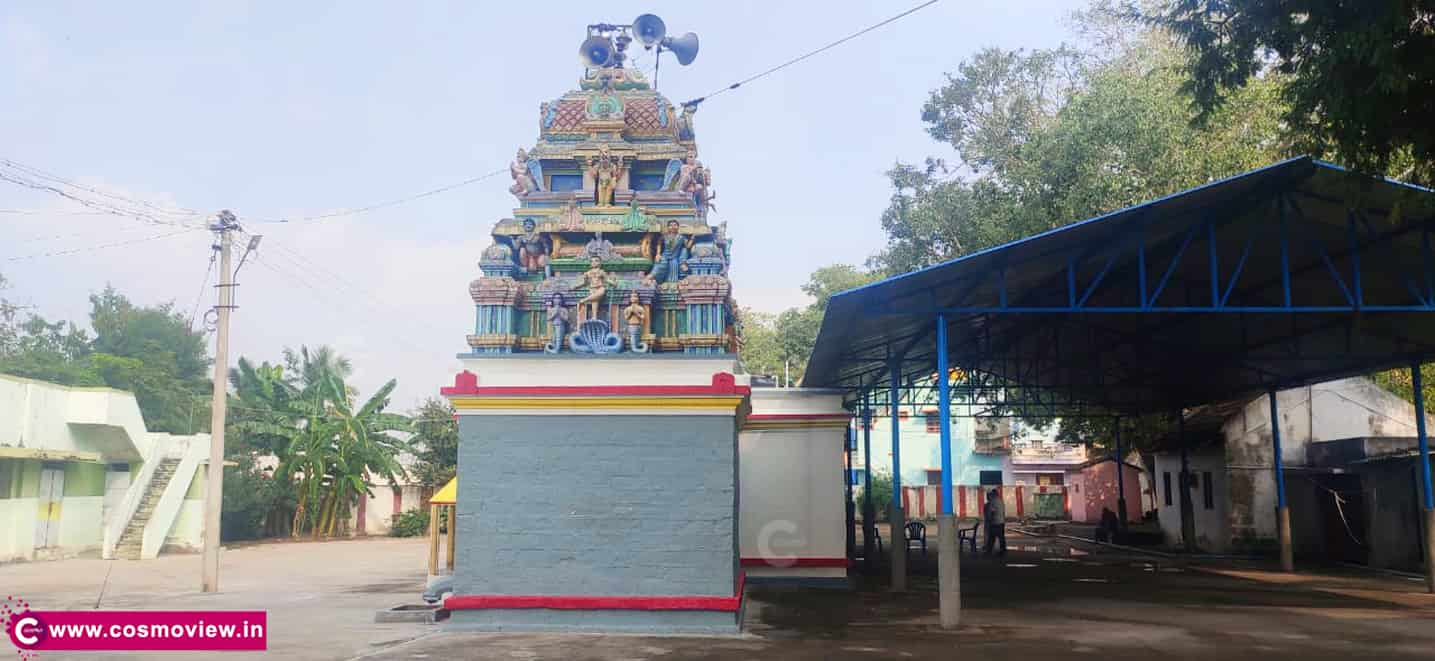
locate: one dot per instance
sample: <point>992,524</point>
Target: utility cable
<point>49,176</point>
<point>116,244</point>
<point>381,205</point>
<point>804,56</point>
<point>203,283</point>
<point>97,205</point>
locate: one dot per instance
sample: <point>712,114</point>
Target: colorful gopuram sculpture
<point>610,249</point>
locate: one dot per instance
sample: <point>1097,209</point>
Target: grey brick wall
<point>596,505</point>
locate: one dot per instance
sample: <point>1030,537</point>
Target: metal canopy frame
<point>1284,276</point>
<point>1291,274</point>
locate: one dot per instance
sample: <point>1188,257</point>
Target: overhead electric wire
<point>50,176</point>
<point>297,276</point>
<point>105,207</point>
<point>74,235</point>
<point>381,205</point>
<point>203,283</point>
<point>808,54</point>
<point>50,212</point>
<point>116,244</point>
<point>320,274</point>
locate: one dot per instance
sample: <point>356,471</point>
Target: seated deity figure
<point>597,280</point>
<point>533,249</point>
<point>599,247</point>
<point>672,259</point>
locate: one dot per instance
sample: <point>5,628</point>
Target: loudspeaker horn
<point>649,30</point>
<point>596,52</point>
<point>685,47</point>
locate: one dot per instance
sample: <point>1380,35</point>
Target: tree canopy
<point>148,350</point>
<point>1358,77</point>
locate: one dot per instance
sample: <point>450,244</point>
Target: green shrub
<point>412,523</point>
<point>881,494</point>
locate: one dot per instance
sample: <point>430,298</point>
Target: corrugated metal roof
<point>1153,332</point>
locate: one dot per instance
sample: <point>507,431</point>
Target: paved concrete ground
<point>321,596</point>
<point>1046,599</point>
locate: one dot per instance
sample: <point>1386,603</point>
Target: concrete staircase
<point>132,540</point>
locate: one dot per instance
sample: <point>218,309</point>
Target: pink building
<point>1095,487</point>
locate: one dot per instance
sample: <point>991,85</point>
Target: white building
<point>79,472</point>
<point>1347,448</point>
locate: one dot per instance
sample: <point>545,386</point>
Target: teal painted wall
<point>922,449</point>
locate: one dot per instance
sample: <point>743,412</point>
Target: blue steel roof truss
<point>1282,276</point>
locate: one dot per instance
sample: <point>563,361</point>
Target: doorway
<point>47,517</point>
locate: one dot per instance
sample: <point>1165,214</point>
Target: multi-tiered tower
<point>610,248</point>
<point>599,407</point>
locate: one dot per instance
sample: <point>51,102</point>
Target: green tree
<point>329,450</point>
<point>151,351</point>
<point>9,325</point>
<point>760,349</point>
<point>57,352</point>
<point>1046,138</point>
<point>1360,75</point>
<point>435,443</point>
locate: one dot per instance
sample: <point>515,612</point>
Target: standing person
<point>995,514</point>
<point>1110,525</point>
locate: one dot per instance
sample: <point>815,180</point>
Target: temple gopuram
<point>611,247</point>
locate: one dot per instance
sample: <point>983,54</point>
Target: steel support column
<point>897,519</point>
<point>1120,474</point>
<point>869,513</point>
<point>1427,496</point>
<point>949,572</point>
<point>1283,513</point>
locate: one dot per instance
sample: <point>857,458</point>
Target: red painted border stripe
<point>783,563</point>
<point>466,384</point>
<point>574,602</point>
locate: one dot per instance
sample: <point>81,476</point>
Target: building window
<point>1049,479</point>
<point>1208,495</point>
<point>991,478</point>
<point>856,475</point>
<point>934,422</point>
<point>1166,486</point>
<point>934,477</point>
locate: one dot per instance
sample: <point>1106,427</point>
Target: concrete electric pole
<point>224,228</point>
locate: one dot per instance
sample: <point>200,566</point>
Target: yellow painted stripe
<point>795,424</point>
<point>626,403</point>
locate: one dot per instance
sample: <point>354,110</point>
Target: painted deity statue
<point>634,316</point>
<point>606,171</point>
<point>533,249</point>
<point>701,190</point>
<point>523,180</point>
<point>557,315</point>
<point>683,128</point>
<point>597,280</point>
<point>672,260</point>
<point>684,181</point>
<point>599,247</point>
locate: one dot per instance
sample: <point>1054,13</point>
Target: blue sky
<point>286,109</point>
